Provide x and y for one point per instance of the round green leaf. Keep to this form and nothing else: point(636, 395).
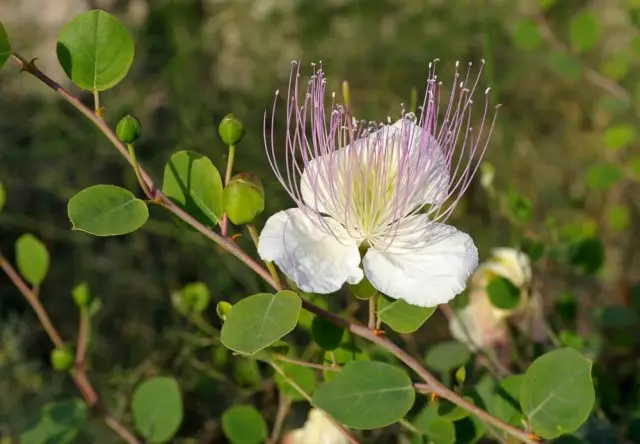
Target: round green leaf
point(441, 431)
point(447, 356)
point(557, 393)
point(57, 422)
point(584, 31)
point(526, 35)
point(619, 136)
point(618, 218)
point(107, 210)
point(194, 184)
point(304, 377)
point(437, 430)
point(5, 46)
point(366, 395)
point(401, 316)
point(506, 404)
point(565, 64)
point(588, 254)
point(243, 424)
point(95, 50)
point(157, 409)
point(617, 66)
point(260, 320)
point(32, 259)
point(503, 293)
point(603, 176)
point(326, 334)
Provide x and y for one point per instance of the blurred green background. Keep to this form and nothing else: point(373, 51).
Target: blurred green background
point(564, 159)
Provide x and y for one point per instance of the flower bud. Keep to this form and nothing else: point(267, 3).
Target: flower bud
point(243, 198)
point(231, 130)
point(461, 375)
point(82, 295)
point(223, 309)
point(129, 129)
point(61, 359)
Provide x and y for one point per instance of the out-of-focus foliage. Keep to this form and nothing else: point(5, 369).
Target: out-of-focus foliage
point(560, 182)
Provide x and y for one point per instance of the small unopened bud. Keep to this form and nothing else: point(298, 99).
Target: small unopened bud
point(61, 359)
point(243, 198)
point(461, 375)
point(82, 295)
point(231, 130)
point(129, 129)
point(223, 309)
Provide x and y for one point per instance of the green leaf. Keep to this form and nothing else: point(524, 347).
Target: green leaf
point(503, 293)
point(156, 406)
point(57, 422)
point(565, 64)
point(304, 377)
point(618, 218)
point(584, 31)
point(618, 316)
point(526, 35)
point(260, 320)
point(243, 424)
point(616, 67)
point(5, 47)
point(366, 395)
point(107, 210)
point(557, 393)
point(3, 197)
point(441, 431)
point(437, 430)
point(506, 404)
point(95, 50)
point(32, 259)
point(519, 206)
point(194, 184)
point(603, 176)
point(447, 356)
point(619, 136)
point(326, 334)
point(571, 339)
point(401, 316)
point(588, 254)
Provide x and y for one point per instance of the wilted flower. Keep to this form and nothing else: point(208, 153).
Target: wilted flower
point(381, 189)
point(480, 324)
point(317, 430)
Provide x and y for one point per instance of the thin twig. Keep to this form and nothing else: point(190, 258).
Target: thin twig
point(284, 404)
point(78, 375)
point(31, 298)
point(284, 358)
point(83, 337)
point(235, 250)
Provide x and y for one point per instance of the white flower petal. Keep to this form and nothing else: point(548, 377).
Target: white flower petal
point(316, 260)
point(386, 174)
point(421, 272)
